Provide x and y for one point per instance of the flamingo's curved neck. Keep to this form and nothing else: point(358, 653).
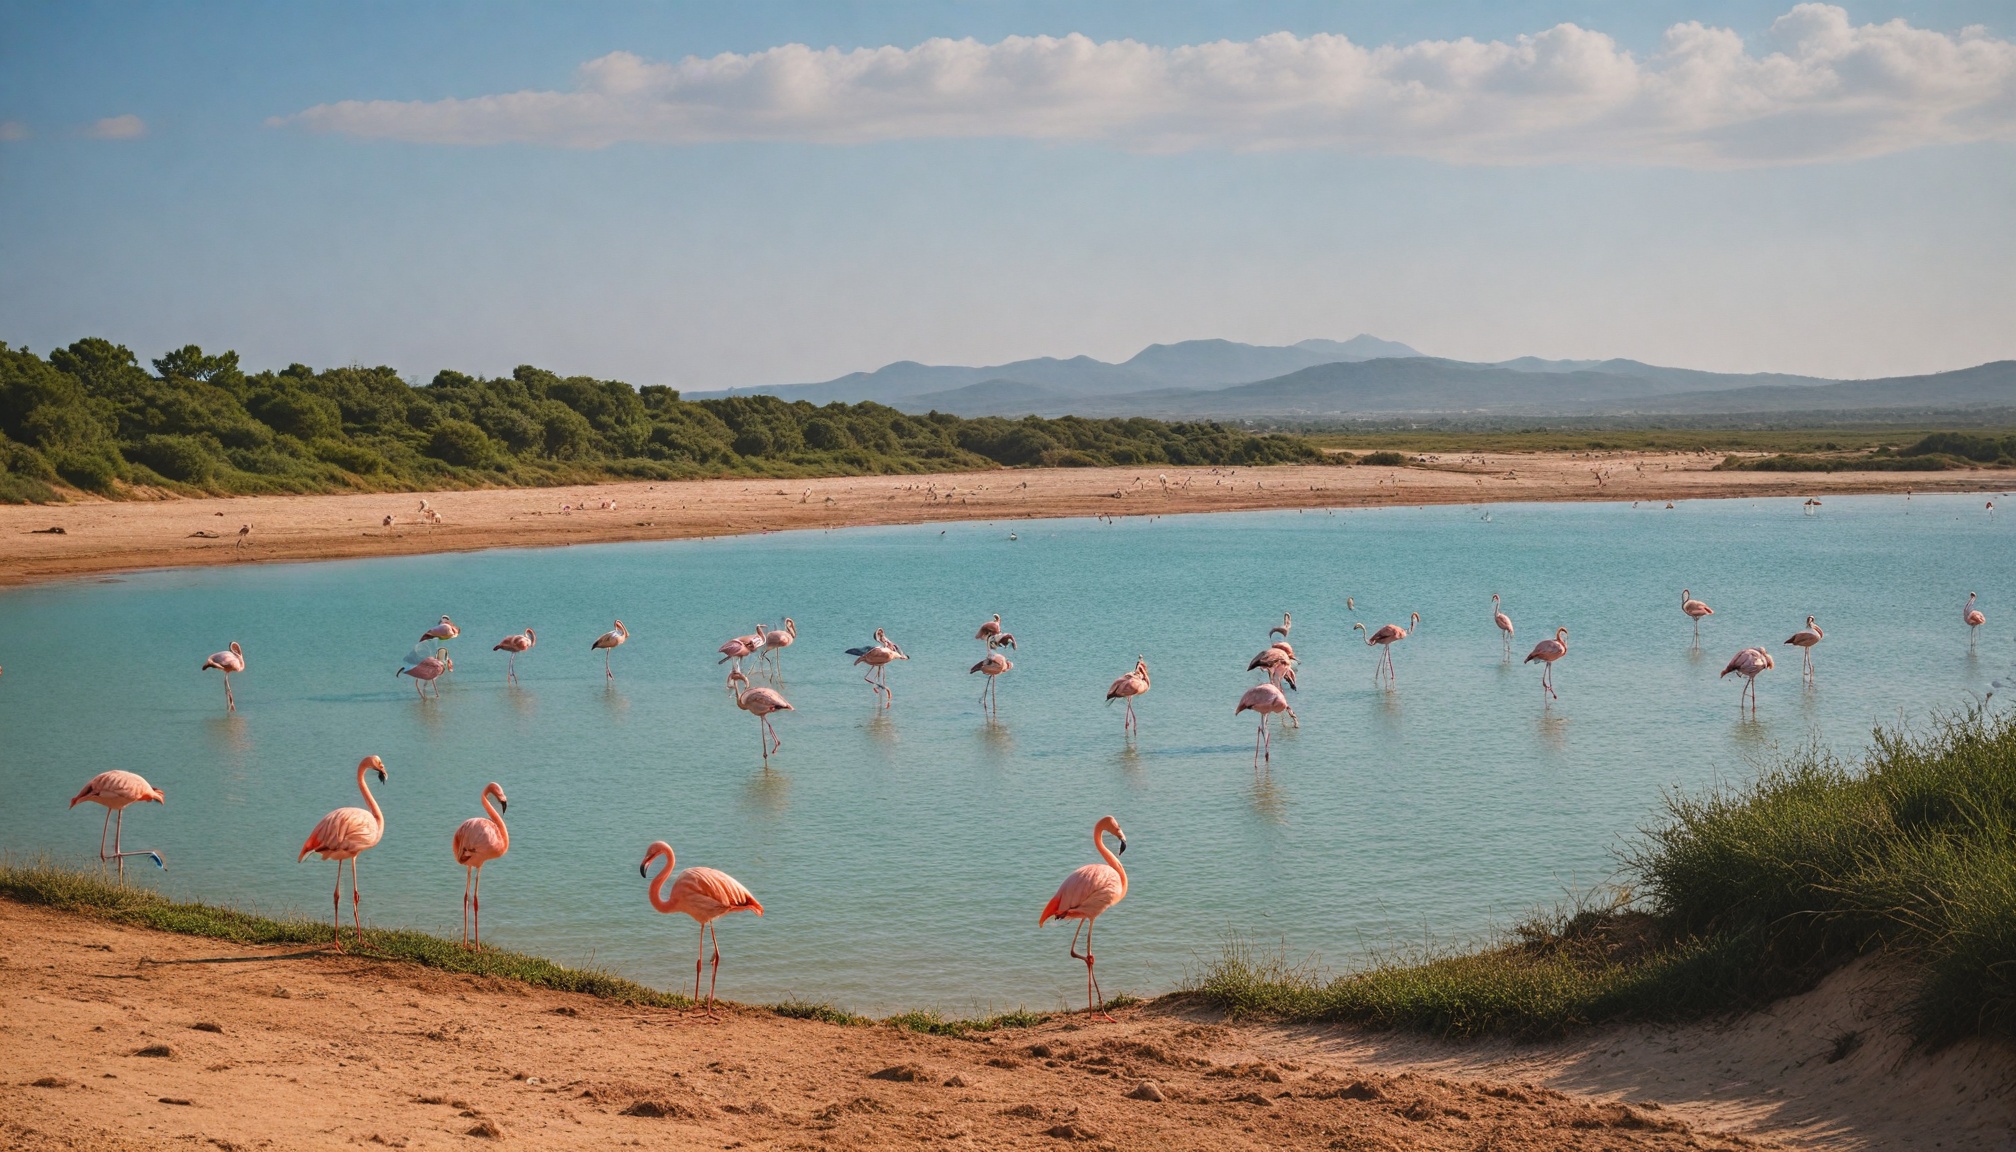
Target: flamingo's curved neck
point(1112, 861)
point(496, 818)
point(370, 801)
point(659, 900)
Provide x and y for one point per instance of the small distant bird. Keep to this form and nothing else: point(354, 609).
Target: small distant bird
point(427, 670)
point(244, 530)
point(760, 703)
point(1084, 896)
point(993, 666)
point(230, 660)
point(1281, 629)
point(1810, 505)
point(514, 644)
point(1265, 700)
point(608, 642)
point(445, 630)
point(1504, 623)
point(989, 630)
point(706, 895)
point(1694, 609)
point(479, 840)
point(1549, 651)
point(115, 790)
point(388, 521)
point(345, 834)
point(1127, 687)
point(1387, 636)
point(1972, 617)
point(1749, 663)
point(775, 642)
point(1806, 638)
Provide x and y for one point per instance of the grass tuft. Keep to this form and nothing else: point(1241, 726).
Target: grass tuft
point(796, 1009)
point(931, 1023)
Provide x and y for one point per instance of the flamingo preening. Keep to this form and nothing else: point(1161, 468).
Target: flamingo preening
point(1504, 623)
point(608, 642)
point(115, 790)
point(1695, 610)
point(742, 646)
point(1275, 660)
point(993, 666)
point(445, 630)
point(1549, 651)
point(427, 670)
point(705, 894)
point(479, 840)
point(1387, 636)
point(878, 656)
point(760, 703)
point(1805, 639)
point(1084, 895)
point(1265, 700)
point(1127, 687)
point(1972, 617)
point(230, 660)
point(989, 631)
point(343, 835)
point(1281, 629)
point(775, 642)
point(514, 644)
point(1749, 663)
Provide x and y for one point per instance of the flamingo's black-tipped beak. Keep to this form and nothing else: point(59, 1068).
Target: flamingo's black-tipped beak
point(641, 867)
point(1123, 844)
point(381, 774)
point(503, 805)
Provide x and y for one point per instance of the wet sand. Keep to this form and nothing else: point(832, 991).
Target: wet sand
point(107, 536)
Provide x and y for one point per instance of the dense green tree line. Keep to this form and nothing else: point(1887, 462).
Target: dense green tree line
point(89, 416)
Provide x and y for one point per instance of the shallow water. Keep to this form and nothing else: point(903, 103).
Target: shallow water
point(903, 856)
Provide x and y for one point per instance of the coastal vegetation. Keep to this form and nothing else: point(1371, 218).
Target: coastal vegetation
point(90, 417)
point(1853, 442)
point(1734, 898)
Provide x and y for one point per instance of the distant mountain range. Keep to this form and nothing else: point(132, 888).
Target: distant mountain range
point(1368, 377)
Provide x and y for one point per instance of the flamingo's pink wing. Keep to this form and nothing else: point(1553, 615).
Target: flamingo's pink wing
point(346, 830)
point(1085, 893)
point(716, 886)
point(478, 839)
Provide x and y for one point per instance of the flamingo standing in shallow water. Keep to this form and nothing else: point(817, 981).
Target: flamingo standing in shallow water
point(1504, 623)
point(775, 642)
point(1281, 629)
point(989, 631)
point(1549, 651)
point(1806, 638)
point(343, 835)
point(514, 644)
point(706, 895)
point(608, 642)
point(1387, 636)
point(429, 669)
point(1749, 663)
point(1084, 895)
point(742, 646)
point(1278, 658)
point(1266, 700)
point(445, 630)
point(878, 656)
point(994, 665)
point(479, 840)
point(230, 660)
point(115, 790)
point(1695, 610)
point(1127, 687)
point(1972, 617)
point(760, 703)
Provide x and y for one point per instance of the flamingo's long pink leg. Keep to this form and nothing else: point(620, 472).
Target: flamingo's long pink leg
point(467, 875)
point(356, 914)
point(699, 960)
point(716, 977)
point(104, 831)
point(336, 903)
point(476, 906)
point(230, 701)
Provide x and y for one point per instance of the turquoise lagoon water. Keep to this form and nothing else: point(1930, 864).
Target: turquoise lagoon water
point(904, 856)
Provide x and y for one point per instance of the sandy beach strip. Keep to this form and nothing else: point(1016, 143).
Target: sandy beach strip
point(108, 536)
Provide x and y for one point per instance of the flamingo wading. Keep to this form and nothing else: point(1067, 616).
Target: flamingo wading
point(1549, 651)
point(1504, 624)
point(1805, 639)
point(514, 644)
point(343, 835)
point(1972, 617)
point(479, 840)
point(230, 660)
point(774, 643)
point(878, 656)
point(760, 703)
point(428, 670)
point(1127, 687)
point(608, 642)
point(705, 894)
point(1387, 636)
point(1265, 700)
point(115, 790)
point(445, 630)
point(992, 667)
point(1749, 664)
point(1087, 893)
point(1694, 610)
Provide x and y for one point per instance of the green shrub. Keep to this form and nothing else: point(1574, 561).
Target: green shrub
point(183, 458)
point(1384, 459)
point(459, 442)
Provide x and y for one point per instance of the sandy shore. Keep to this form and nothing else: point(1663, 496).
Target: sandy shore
point(105, 536)
point(118, 1038)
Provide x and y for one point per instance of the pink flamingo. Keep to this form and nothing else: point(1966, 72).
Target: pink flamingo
point(705, 894)
point(1266, 700)
point(343, 835)
point(1972, 617)
point(989, 630)
point(1695, 610)
point(608, 642)
point(775, 642)
point(428, 669)
point(735, 678)
point(1275, 660)
point(230, 660)
point(1387, 636)
point(1281, 629)
point(742, 646)
point(1084, 895)
point(514, 644)
point(994, 665)
point(878, 656)
point(1127, 687)
point(1806, 638)
point(1549, 651)
point(1504, 623)
point(115, 790)
point(445, 630)
point(1749, 663)
point(479, 840)
point(760, 703)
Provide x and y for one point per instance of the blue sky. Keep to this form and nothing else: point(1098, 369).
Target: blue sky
point(1814, 191)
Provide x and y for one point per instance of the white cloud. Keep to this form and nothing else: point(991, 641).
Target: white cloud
point(12, 130)
point(127, 127)
point(1831, 90)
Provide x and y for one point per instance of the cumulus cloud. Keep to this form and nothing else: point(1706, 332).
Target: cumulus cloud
point(1823, 89)
point(127, 127)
